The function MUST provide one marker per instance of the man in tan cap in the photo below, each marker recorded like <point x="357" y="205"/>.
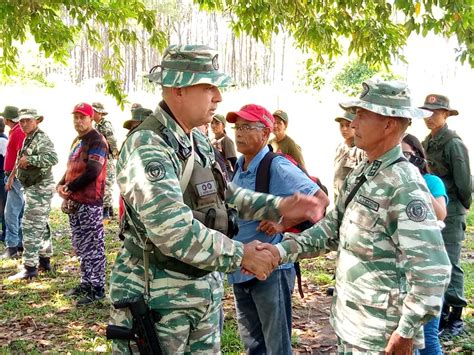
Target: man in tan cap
<point x="448" y="158"/>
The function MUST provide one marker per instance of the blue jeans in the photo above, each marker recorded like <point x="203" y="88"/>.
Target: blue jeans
<point x="3" y="199"/>
<point x="432" y="345"/>
<point x="13" y="213"/>
<point x="264" y="313"/>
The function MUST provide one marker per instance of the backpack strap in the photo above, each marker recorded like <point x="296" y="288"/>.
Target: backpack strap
<point x="262" y="180"/>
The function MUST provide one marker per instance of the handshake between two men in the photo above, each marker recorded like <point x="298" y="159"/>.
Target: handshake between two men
<point x="260" y="259"/>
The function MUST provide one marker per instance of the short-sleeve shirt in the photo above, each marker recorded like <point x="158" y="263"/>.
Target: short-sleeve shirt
<point x="288" y="146"/>
<point x="15" y="142"/>
<point x="285" y="179"/>
<point x="436" y="186"/>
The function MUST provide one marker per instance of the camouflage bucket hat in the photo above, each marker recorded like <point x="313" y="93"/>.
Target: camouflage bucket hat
<point x="98" y="107"/>
<point x="189" y="65"/>
<point x="281" y="114"/>
<point x="438" y="102"/>
<point x="138" y="115"/>
<point x="10" y="113"/>
<point x="29" y="113"/>
<point x="348" y="116"/>
<point x="387" y="98"/>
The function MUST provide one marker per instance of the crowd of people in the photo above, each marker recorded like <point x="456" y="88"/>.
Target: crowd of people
<point x="192" y="210"/>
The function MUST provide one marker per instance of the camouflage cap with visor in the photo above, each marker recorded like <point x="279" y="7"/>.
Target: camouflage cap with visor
<point x="29" y="113"/>
<point x="348" y="116"/>
<point x="99" y="107"/>
<point x="438" y="102"/>
<point x="138" y="115"/>
<point x="387" y="98"/>
<point x="188" y="65"/>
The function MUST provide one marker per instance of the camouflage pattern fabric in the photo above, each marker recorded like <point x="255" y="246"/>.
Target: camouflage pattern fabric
<point x="187" y="65"/>
<point x="148" y="174"/>
<point x="392" y="267"/>
<point x="105" y="128"/>
<point x="87" y="230"/>
<point x="344" y="348"/>
<point x="346" y="159"/>
<point x="36" y="234"/>
<point x="387" y="98"/>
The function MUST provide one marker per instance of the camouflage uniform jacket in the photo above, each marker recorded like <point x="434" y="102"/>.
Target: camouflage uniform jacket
<point x="448" y="158"/>
<point x="392" y="267"/>
<point x="148" y="175"/>
<point x="346" y="160"/>
<point x="105" y="128"/>
<point x="40" y="153"/>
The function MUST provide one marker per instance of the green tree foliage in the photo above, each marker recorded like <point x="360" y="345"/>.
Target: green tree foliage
<point x="56" y="25"/>
<point x="376" y="30"/>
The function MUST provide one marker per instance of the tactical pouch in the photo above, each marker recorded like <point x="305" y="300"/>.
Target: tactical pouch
<point x="70" y="206"/>
<point x="29" y="176"/>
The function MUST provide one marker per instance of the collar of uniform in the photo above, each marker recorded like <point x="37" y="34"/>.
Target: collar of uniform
<point x="165" y="116"/>
<point x="373" y="168"/>
<point x="440" y="134"/>
<point x="253" y="166"/>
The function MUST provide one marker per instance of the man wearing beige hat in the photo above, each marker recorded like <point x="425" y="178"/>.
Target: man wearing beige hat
<point x="448" y="158"/>
<point x="223" y="143"/>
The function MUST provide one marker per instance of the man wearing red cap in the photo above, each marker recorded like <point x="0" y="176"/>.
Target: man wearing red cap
<point x="82" y="188"/>
<point x="264" y="306"/>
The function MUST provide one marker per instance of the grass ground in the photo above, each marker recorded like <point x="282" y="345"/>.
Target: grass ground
<point x="35" y="317"/>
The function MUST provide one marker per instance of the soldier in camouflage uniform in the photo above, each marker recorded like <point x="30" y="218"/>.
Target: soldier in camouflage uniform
<point x="448" y="158"/>
<point x="392" y="268"/>
<point x="173" y="192"/>
<point x="33" y="170"/>
<point x="104" y="126"/>
<point x="348" y="156"/>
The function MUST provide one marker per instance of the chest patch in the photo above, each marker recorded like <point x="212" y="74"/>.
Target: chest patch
<point x="367" y="202"/>
<point x="206" y="188"/>
<point x="417" y="211"/>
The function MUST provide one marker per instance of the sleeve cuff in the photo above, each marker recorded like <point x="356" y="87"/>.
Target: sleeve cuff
<point x="405" y="328"/>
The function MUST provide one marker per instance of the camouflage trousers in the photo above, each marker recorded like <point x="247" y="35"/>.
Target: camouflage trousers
<point x="453" y="235"/>
<point x="36" y="232"/>
<point x="88" y="242"/>
<point x="190" y="314"/>
<point x="349" y="349"/>
<point x="109" y="182"/>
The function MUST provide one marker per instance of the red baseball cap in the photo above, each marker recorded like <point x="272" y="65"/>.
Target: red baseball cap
<point x="85" y="109"/>
<point x="252" y="113"/>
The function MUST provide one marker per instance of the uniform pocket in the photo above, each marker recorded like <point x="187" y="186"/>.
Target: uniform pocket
<point x="359" y="231"/>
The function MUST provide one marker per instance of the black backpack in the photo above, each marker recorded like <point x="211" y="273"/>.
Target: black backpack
<point x="262" y="184"/>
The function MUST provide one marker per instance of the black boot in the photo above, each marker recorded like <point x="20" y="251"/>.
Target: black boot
<point x="95" y="294"/>
<point x="26" y="274"/>
<point x="79" y="290"/>
<point x="455" y="326"/>
<point x="44" y="264"/>
<point x="330" y="291"/>
<point x="111" y="212"/>
<point x="443" y="322"/>
<point x="10" y="253"/>
<point x="106" y="213"/>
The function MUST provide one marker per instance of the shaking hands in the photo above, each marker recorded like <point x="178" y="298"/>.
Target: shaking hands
<point x="260" y="259"/>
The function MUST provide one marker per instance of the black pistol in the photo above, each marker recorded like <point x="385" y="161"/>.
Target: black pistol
<point x="143" y="331"/>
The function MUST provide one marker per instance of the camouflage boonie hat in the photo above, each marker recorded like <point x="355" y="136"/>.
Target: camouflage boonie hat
<point x="219" y="118"/>
<point x="281" y="114"/>
<point x="135" y="105"/>
<point x="138" y="115"/>
<point x="387" y="98"/>
<point x="10" y="113"/>
<point x="189" y="65"/>
<point x="28" y="113"/>
<point x="98" y="107"/>
<point x="348" y="116"/>
<point x="438" y="102"/>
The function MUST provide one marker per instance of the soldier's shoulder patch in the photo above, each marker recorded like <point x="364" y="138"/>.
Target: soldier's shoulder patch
<point x="417" y="210"/>
<point x="155" y="171"/>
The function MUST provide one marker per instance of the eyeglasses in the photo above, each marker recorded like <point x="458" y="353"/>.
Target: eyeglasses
<point x="246" y="127"/>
